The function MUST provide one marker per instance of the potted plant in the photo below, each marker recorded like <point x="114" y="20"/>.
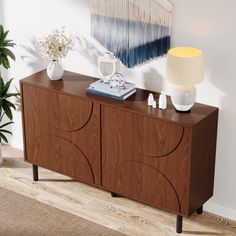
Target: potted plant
<point x="6" y="106"/>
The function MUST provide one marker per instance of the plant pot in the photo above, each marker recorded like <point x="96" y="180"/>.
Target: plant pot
<point x="55" y="70"/>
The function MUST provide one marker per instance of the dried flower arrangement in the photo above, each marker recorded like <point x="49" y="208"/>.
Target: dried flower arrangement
<point x="56" y="45"/>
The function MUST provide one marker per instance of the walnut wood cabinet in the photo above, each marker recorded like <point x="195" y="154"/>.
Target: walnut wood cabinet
<point x="59" y="131"/>
<point x="159" y="157"/>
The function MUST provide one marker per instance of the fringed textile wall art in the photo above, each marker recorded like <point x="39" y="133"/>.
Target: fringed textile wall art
<point x="134" y="30"/>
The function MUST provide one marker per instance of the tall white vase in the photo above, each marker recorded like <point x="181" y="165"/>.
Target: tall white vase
<point x="1" y="160"/>
<point x="55" y="70"/>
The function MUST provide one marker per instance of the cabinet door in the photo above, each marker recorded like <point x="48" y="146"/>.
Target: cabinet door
<point x="80" y="137"/>
<point x="41" y="122"/>
<point x="121" y="150"/>
<point x="145" y="159"/>
<point x="166" y="158"/>
<point x="62" y="133"/>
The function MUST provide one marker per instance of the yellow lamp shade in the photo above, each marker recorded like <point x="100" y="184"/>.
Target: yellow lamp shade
<point x="185" y="66"/>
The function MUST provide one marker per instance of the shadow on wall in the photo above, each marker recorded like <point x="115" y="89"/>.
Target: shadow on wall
<point x="31" y="56"/>
<point x="152" y="80"/>
<point x="145" y="77"/>
<point x="88" y="50"/>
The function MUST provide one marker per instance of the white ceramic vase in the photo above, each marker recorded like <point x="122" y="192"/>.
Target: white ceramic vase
<point x="55" y="70"/>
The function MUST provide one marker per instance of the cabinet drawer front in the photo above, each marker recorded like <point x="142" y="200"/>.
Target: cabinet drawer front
<point x="161" y="180"/>
<point x="58" y="131"/>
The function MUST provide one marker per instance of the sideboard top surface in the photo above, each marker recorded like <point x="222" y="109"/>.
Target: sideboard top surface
<point x="76" y="84"/>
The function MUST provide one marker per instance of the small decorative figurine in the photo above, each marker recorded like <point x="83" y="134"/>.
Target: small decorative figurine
<point x="150" y="99"/>
<point x="162" y="101"/>
<point x="154" y="104"/>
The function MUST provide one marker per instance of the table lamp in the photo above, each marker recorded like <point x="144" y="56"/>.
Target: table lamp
<point x="184" y="70"/>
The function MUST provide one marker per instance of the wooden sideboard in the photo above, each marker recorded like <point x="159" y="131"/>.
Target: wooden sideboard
<point x="162" y="158"/>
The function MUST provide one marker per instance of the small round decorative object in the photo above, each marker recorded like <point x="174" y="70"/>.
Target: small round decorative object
<point x="55" y="70"/>
<point x="117" y="81"/>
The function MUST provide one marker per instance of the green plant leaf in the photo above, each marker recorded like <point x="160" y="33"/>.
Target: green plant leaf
<point x="9" y="44"/>
<point x="5" y="131"/>
<point x="4" y="61"/>
<point x="6" y="124"/>
<point x="2" y="136"/>
<point x="7" y="110"/>
<point x="12" y="95"/>
<point x="1" y="29"/>
<point x="1" y="33"/>
<point x="10" y="104"/>
<point x="1" y="85"/>
<point x="7" y="41"/>
<point x="5" y="52"/>
<point x="9" y="53"/>
<point x="6" y="87"/>
<point x="5" y="34"/>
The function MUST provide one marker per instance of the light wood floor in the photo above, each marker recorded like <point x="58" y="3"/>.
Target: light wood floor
<point x="95" y="205"/>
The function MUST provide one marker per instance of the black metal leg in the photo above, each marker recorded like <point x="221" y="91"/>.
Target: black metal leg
<point x="179" y="224"/>
<point x="35" y="173"/>
<point x="114" y="194"/>
<point x="200" y="210"/>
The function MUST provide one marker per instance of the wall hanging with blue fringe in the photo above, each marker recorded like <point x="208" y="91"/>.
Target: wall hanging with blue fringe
<point x="136" y="31"/>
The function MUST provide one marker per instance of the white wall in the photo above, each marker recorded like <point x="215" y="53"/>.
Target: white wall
<point x="208" y="25"/>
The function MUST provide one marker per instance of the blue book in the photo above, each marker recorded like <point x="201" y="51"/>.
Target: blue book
<point x="112" y="96"/>
<point x="102" y="87"/>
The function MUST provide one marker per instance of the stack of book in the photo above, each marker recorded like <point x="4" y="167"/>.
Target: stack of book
<point x="119" y="93"/>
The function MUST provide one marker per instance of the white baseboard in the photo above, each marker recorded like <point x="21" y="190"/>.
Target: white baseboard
<point x="220" y="210"/>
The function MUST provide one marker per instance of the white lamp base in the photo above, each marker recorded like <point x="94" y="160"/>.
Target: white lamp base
<point x="183" y="97"/>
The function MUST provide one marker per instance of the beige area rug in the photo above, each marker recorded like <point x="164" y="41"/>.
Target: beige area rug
<point x="20" y="215"/>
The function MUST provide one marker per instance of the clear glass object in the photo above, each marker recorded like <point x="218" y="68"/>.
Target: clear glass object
<point x="117" y="81"/>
